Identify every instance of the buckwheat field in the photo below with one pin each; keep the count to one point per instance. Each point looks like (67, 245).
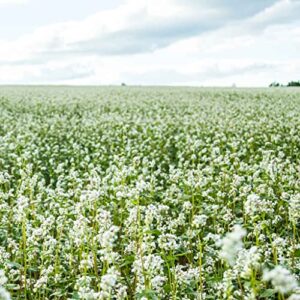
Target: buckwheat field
(149, 193)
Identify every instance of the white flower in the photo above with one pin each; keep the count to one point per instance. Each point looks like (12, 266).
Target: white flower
(199, 220)
(248, 260)
(186, 275)
(255, 205)
(187, 206)
(42, 281)
(294, 208)
(282, 280)
(231, 244)
(150, 266)
(4, 294)
(119, 195)
(3, 278)
(109, 280)
(168, 242)
(158, 281)
(20, 209)
(108, 237)
(294, 297)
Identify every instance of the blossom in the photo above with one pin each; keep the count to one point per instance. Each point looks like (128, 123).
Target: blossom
(255, 205)
(109, 280)
(247, 261)
(294, 208)
(199, 220)
(4, 294)
(231, 244)
(281, 278)
(294, 297)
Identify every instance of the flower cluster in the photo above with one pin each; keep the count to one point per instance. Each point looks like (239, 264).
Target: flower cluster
(4, 295)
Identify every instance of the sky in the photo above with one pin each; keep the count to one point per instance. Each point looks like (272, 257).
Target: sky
(150, 42)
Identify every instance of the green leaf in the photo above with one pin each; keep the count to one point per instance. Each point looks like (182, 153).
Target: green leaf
(128, 260)
(14, 265)
(267, 293)
(154, 232)
(149, 294)
(75, 296)
(11, 286)
(297, 253)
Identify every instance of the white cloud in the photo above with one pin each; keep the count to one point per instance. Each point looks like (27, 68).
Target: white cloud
(134, 27)
(162, 42)
(8, 2)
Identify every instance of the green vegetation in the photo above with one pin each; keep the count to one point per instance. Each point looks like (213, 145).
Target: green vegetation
(149, 193)
(294, 83)
(290, 84)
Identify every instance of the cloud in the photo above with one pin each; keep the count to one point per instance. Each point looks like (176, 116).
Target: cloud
(207, 70)
(162, 42)
(68, 72)
(51, 72)
(282, 12)
(9, 2)
(135, 27)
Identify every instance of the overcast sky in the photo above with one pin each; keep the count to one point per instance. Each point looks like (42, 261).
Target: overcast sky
(163, 42)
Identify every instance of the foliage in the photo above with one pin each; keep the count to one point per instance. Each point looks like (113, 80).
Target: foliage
(149, 193)
(294, 83)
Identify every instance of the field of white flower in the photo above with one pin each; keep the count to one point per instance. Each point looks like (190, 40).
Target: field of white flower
(149, 193)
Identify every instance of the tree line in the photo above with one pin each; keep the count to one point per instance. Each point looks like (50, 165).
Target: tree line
(291, 83)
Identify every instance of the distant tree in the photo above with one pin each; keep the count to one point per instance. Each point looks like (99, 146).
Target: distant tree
(294, 83)
(123, 84)
(274, 84)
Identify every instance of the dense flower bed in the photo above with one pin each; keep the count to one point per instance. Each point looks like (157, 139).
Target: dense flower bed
(149, 193)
